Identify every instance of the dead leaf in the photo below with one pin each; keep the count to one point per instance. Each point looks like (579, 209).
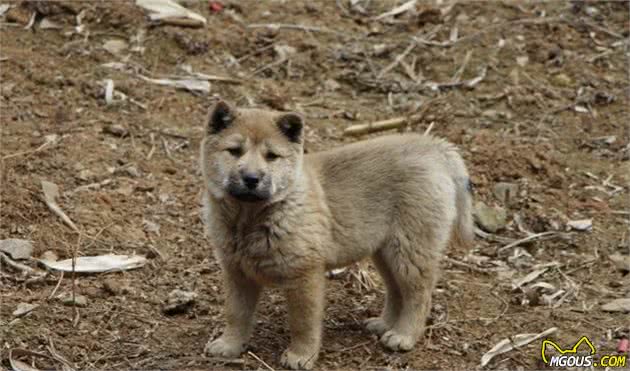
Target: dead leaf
(190, 84)
(580, 225)
(115, 46)
(514, 342)
(163, 10)
(23, 309)
(97, 264)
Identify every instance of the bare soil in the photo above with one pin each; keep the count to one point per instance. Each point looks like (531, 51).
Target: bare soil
(550, 115)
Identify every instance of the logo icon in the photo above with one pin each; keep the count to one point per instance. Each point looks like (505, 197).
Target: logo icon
(585, 358)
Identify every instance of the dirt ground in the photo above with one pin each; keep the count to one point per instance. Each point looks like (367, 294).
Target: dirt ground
(535, 94)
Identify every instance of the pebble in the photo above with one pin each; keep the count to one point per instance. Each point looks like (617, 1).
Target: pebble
(179, 301)
(79, 300)
(490, 219)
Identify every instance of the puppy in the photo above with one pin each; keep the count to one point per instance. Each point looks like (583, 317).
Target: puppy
(277, 217)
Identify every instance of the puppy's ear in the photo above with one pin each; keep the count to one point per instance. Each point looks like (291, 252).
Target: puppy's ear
(221, 116)
(291, 125)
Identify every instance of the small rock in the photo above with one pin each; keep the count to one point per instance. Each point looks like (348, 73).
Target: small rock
(562, 79)
(580, 225)
(331, 85)
(462, 18)
(150, 226)
(116, 130)
(115, 46)
(49, 255)
(47, 24)
(17, 248)
(591, 11)
(85, 174)
(132, 171)
(114, 287)
(506, 193)
(79, 300)
(490, 219)
(23, 309)
(179, 301)
(522, 60)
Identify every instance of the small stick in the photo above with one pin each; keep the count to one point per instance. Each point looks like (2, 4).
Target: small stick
(16, 265)
(426, 132)
(166, 149)
(397, 10)
(28, 152)
(152, 136)
(471, 267)
(492, 237)
(458, 74)
(183, 22)
(397, 60)
(371, 127)
(295, 27)
(56, 286)
(533, 237)
(261, 361)
(51, 191)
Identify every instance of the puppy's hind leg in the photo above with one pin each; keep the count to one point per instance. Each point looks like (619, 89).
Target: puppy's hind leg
(414, 261)
(393, 301)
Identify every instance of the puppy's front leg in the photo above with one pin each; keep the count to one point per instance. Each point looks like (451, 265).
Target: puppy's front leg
(305, 301)
(240, 304)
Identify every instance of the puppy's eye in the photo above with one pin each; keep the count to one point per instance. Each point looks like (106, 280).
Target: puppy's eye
(236, 151)
(271, 156)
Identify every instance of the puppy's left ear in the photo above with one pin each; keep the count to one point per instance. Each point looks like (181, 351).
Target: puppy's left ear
(292, 126)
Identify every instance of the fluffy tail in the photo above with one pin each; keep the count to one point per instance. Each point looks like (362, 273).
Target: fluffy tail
(463, 233)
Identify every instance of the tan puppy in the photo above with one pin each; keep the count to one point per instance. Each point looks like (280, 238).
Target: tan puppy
(278, 217)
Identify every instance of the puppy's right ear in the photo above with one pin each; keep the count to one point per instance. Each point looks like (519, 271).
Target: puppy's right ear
(221, 116)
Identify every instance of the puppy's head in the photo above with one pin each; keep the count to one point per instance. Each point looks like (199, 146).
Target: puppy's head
(251, 155)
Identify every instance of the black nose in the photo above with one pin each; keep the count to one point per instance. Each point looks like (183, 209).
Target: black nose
(250, 180)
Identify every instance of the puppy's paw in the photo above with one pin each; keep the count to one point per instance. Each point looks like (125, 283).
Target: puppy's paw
(376, 325)
(296, 361)
(397, 342)
(224, 348)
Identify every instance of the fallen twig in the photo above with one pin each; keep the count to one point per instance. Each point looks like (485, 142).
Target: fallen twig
(371, 127)
(277, 26)
(534, 237)
(38, 149)
(492, 237)
(465, 83)
(52, 293)
(15, 265)
(397, 10)
(397, 60)
(260, 360)
(426, 132)
(471, 267)
(51, 192)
